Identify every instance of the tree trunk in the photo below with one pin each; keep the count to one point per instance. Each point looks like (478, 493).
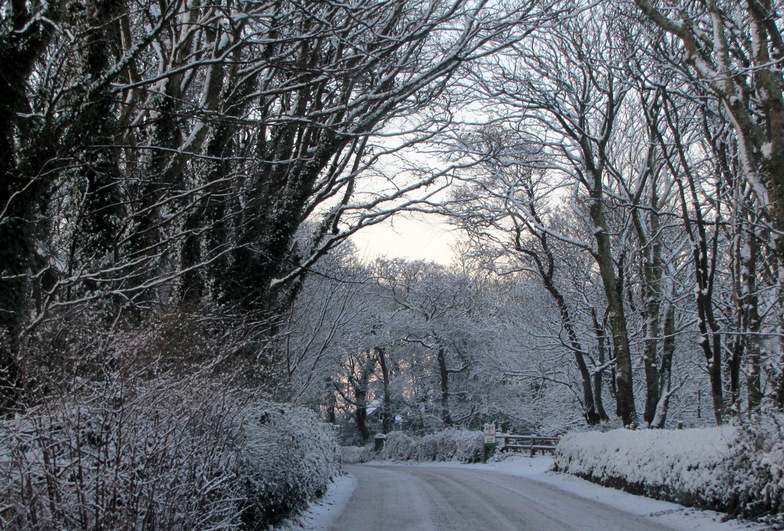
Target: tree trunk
(593, 414)
(23, 187)
(749, 303)
(545, 265)
(598, 376)
(620, 336)
(331, 401)
(665, 372)
(387, 420)
(361, 389)
(444, 376)
(652, 275)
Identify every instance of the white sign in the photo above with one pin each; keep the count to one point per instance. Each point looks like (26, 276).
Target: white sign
(489, 433)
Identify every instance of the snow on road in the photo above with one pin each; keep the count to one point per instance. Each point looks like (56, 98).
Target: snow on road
(517, 493)
(668, 514)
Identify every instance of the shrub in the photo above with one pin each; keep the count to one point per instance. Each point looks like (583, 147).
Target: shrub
(171, 454)
(755, 470)
(127, 454)
(451, 445)
(446, 445)
(351, 455)
(686, 466)
(287, 458)
(738, 469)
(397, 447)
(144, 427)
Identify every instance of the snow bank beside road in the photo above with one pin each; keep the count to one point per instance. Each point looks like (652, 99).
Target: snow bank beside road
(322, 513)
(737, 469)
(686, 466)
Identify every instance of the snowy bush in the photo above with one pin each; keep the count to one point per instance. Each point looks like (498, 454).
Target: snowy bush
(351, 455)
(127, 454)
(397, 447)
(755, 470)
(446, 445)
(287, 458)
(687, 466)
(145, 427)
(183, 454)
(452, 445)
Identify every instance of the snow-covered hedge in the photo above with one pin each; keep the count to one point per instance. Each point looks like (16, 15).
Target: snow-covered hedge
(738, 469)
(398, 447)
(451, 445)
(165, 452)
(287, 458)
(352, 455)
(756, 468)
(446, 445)
(686, 466)
(156, 453)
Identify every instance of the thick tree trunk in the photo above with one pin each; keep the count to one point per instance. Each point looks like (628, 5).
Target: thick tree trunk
(620, 336)
(752, 325)
(652, 275)
(361, 389)
(360, 415)
(387, 419)
(665, 371)
(598, 378)
(23, 184)
(443, 373)
(331, 401)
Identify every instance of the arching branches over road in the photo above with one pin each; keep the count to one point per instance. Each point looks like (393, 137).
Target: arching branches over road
(170, 153)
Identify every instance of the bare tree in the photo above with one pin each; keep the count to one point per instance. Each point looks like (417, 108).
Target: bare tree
(503, 204)
(171, 154)
(562, 91)
(734, 51)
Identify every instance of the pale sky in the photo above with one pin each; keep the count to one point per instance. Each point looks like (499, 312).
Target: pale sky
(419, 238)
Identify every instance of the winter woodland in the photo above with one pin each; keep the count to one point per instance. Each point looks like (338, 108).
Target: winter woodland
(180, 180)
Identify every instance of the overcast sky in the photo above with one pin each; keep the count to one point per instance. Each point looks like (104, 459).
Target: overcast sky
(420, 238)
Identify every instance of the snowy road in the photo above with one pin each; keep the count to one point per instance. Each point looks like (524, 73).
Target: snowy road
(413, 497)
(519, 493)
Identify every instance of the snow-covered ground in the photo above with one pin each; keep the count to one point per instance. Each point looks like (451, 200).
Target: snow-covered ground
(322, 514)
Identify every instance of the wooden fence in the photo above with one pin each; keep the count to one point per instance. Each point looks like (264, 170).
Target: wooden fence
(526, 443)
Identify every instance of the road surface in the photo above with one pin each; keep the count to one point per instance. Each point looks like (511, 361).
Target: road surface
(428, 498)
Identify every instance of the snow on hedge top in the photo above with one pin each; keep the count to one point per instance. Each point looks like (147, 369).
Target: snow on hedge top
(685, 461)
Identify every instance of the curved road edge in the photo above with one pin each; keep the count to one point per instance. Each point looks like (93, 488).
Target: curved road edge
(323, 513)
